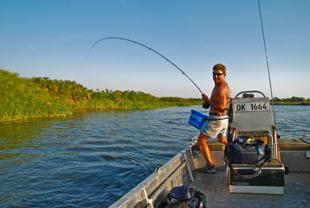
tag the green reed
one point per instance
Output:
(40, 97)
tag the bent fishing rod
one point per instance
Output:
(266, 55)
(147, 47)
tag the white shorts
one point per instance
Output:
(212, 128)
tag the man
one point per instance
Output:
(217, 126)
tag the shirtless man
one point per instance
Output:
(219, 104)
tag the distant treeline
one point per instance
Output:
(291, 101)
(40, 97)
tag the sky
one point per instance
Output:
(52, 38)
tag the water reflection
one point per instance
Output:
(16, 138)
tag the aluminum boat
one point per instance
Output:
(222, 189)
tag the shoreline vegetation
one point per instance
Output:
(40, 97)
(290, 101)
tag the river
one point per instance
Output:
(91, 159)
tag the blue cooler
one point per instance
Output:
(197, 119)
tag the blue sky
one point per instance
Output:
(51, 38)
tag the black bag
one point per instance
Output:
(179, 193)
(184, 196)
(247, 150)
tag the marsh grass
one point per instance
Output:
(28, 98)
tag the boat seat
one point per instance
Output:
(253, 116)
(213, 146)
(293, 145)
(216, 146)
(284, 144)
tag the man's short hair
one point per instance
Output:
(220, 67)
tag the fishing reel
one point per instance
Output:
(205, 105)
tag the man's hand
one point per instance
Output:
(205, 98)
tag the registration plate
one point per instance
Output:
(255, 106)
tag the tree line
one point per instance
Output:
(291, 100)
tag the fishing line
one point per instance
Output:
(147, 47)
(265, 47)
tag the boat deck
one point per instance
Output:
(296, 192)
(186, 165)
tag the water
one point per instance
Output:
(92, 159)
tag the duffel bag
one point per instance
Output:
(184, 196)
(245, 150)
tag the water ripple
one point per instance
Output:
(92, 159)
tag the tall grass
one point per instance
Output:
(20, 98)
(24, 98)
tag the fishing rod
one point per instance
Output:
(147, 47)
(265, 47)
(266, 55)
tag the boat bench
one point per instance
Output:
(293, 145)
(295, 154)
(284, 145)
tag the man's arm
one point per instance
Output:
(220, 101)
